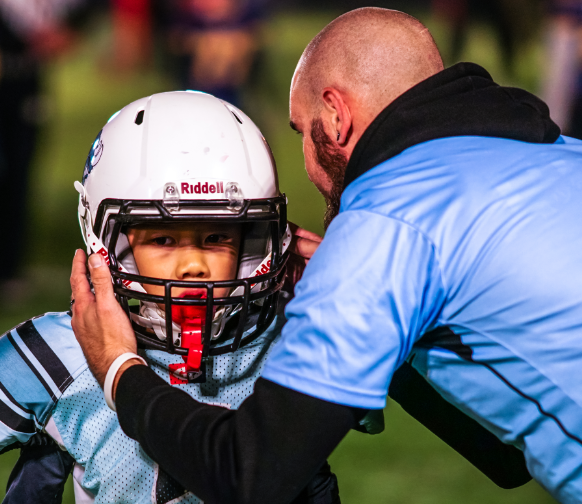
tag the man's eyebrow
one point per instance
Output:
(293, 126)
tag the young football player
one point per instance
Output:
(180, 195)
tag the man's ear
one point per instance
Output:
(339, 115)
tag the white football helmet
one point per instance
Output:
(187, 156)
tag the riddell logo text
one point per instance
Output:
(202, 188)
(263, 268)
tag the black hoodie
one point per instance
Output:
(459, 101)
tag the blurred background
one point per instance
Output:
(67, 65)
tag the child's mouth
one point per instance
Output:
(183, 313)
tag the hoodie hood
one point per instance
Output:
(462, 100)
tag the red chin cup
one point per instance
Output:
(191, 319)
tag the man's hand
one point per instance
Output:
(303, 245)
(100, 324)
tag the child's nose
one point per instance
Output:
(192, 265)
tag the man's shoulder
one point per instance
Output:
(418, 184)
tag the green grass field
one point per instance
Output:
(405, 464)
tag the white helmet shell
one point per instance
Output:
(189, 138)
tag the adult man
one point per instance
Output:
(457, 248)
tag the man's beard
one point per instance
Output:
(334, 163)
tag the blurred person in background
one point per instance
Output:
(213, 43)
(31, 33)
(562, 76)
(132, 22)
(216, 42)
(513, 21)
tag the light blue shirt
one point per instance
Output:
(474, 243)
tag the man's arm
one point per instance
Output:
(265, 452)
(502, 463)
(270, 448)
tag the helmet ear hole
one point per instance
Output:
(139, 117)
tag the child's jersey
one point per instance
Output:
(45, 383)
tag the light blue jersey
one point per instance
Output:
(45, 384)
(462, 255)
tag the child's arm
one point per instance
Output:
(38, 360)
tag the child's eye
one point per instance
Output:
(216, 238)
(162, 240)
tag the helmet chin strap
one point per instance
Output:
(153, 317)
(187, 328)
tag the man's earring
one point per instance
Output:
(338, 135)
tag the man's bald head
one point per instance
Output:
(372, 54)
(353, 69)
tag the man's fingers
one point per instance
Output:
(303, 247)
(79, 283)
(304, 243)
(303, 233)
(101, 279)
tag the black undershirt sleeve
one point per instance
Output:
(270, 449)
(502, 463)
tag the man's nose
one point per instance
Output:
(192, 264)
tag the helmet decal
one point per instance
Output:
(202, 187)
(94, 156)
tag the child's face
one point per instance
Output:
(189, 252)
